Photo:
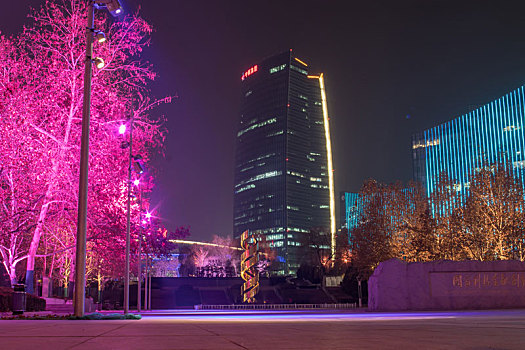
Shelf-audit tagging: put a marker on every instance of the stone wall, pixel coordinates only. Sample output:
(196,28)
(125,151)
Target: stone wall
(447,285)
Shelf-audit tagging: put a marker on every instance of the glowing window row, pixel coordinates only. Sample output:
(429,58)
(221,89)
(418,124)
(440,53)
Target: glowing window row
(260,177)
(242,189)
(318,186)
(293,173)
(429,143)
(258,158)
(297,69)
(274,237)
(277,68)
(280,132)
(295,229)
(255,126)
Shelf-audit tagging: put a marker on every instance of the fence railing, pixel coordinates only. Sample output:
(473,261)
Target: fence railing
(276,306)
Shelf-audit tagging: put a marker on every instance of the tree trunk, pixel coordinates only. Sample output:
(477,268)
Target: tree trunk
(30,271)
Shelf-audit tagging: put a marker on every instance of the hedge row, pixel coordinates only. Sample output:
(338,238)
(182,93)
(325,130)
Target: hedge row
(33,303)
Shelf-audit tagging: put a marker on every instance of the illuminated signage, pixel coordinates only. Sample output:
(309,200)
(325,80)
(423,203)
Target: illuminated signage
(249,72)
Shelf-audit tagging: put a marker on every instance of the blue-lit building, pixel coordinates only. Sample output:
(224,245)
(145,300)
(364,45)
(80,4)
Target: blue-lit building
(489,134)
(352,208)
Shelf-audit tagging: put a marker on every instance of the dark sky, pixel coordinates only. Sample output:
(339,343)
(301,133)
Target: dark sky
(392,68)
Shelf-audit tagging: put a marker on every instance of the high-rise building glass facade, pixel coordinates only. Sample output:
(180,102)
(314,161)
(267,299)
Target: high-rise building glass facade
(353,208)
(283,170)
(491,133)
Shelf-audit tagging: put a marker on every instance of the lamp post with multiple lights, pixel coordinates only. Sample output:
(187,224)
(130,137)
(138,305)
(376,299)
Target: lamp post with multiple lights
(134,164)
(113,6)
(128,238)
(139,252)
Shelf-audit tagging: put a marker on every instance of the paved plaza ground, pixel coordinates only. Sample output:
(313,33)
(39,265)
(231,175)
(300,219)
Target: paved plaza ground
(502,329)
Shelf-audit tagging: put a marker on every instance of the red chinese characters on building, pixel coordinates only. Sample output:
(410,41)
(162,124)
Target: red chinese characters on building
(249,72)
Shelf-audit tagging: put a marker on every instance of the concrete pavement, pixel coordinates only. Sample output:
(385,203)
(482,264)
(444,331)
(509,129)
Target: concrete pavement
(498,329)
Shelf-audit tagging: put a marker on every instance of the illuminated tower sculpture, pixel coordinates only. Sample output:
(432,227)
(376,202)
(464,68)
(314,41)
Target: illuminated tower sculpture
(249,273)
(283,166)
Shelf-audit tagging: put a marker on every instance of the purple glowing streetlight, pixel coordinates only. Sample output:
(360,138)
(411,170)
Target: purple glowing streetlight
(136,182)
(122,129)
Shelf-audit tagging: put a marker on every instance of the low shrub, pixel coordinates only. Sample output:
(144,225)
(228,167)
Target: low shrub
(99,316)
(33,303)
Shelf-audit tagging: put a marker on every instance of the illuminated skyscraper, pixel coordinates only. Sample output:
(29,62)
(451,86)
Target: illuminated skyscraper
(283,165)
(491,133)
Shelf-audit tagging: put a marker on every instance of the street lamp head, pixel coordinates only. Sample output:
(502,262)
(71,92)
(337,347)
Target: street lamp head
(122,129)
(114,8)
(99,62)
(136,182)
(148,216)
(101,37)
(138,167)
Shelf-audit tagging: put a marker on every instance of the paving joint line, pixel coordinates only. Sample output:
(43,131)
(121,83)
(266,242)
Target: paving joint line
(223,337)
(99,335)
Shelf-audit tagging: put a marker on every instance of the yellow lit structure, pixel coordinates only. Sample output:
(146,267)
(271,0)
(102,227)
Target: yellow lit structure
(182,241)
(329,158)
(249,273)
(301,62)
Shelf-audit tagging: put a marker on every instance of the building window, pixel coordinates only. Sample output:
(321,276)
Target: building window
(277,68)
(297,69)
(255,126)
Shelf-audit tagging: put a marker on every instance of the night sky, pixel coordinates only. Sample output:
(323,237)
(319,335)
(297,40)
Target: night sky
(392,68)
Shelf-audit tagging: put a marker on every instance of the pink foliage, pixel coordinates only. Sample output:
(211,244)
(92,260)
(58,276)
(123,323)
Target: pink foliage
(41,94)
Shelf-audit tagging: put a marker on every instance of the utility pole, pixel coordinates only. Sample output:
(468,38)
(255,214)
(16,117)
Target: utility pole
(80,258)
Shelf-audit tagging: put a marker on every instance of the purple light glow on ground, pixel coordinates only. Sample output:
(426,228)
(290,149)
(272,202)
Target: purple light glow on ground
(310,315)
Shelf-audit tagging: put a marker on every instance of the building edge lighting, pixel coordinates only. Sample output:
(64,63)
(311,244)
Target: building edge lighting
(183,241)
(329,159)
(300,61)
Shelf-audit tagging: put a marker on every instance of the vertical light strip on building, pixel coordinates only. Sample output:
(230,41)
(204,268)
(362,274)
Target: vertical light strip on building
(491,133)
(330,165)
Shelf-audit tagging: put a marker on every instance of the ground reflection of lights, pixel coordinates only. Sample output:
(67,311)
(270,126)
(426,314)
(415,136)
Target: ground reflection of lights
(297,316)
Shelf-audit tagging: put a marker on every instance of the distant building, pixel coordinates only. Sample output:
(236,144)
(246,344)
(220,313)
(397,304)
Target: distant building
(491,133)
(283,165)
(352,208)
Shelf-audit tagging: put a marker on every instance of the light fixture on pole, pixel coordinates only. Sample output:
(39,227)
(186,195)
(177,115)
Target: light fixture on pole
(122,129)
(80,255)
(100,36)
(99,62)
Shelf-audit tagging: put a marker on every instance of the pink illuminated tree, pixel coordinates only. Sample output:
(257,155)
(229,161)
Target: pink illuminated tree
(40,116)
(20,197)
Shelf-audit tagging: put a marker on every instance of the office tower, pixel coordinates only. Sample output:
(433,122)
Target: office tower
(283,164)
(489,134)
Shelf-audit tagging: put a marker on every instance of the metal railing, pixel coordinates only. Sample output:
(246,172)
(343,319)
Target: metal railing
(276,306)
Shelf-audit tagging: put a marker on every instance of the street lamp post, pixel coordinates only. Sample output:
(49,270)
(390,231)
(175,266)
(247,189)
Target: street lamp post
(80,256)
(128,218)
(146,283)
(139,254)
